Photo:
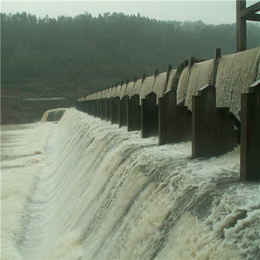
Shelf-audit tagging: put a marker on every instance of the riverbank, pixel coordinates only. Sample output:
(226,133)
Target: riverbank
(20,118)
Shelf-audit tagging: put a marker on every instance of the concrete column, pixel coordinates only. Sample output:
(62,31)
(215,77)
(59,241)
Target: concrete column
(241,26)
(217,56)
(79,105)
(98,108)
(143,78)
(85,106)
(149,116)
(203,115)
(225,133)
(111,104)
(123,111)
(89,107)
(102,109)
(250,134)
(92,107)
(105,108)
(213,130)
(134,113)
(114,105)
(108,109)
(174,121)
(168,74)
(185,88)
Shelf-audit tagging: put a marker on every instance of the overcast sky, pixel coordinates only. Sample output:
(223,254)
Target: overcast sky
(209,11)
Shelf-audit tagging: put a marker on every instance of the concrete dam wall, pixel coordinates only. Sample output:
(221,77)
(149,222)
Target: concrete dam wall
(88,186)
(83,188)
(233,75)
(203,105)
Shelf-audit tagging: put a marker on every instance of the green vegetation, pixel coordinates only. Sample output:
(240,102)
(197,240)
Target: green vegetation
(50,56)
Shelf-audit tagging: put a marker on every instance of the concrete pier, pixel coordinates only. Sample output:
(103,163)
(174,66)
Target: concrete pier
(93,107)
(80,106)
(217,56)
(134,113)
(250,134)
(123,111)
(98,111)
(149,116)
(213,131)
(174,121)
(102,109)
(108,109)
(114,108)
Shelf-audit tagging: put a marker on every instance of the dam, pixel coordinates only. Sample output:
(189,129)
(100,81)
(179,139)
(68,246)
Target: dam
(214,103)
(84,184)
(83,188)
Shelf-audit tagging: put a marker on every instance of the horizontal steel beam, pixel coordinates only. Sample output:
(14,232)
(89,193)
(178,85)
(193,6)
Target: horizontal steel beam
(250,10)
(252,17)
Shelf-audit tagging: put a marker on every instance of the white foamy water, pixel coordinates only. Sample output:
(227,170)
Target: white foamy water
(137,88)
(85,189)
(159,86)
(200,76)
(182,85)
(146,87)
(236,72)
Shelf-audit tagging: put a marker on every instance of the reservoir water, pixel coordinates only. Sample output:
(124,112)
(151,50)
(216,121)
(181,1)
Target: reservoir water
(82,188)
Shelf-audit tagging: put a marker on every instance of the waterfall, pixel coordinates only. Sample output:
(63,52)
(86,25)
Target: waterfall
(86,189)
(182,88)
(199,77)
(129,89)
(146,87)
(172,79)
(137,87)
(236,72)
(159,86)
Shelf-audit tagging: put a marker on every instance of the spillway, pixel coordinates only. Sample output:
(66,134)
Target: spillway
(82,188)
(236,72)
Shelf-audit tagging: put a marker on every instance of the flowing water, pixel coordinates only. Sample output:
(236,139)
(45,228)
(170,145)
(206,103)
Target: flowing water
(199,77)
(146,87)
(159,86)
(122,91)
(137,88)
(129,89)
(85,189)
(182,85)
(172,76)
(236,72)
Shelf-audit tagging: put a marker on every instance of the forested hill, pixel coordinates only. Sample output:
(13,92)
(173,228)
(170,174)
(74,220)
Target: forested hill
(52,55)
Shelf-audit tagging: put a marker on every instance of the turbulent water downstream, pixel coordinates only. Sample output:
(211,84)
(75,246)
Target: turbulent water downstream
(85,189)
